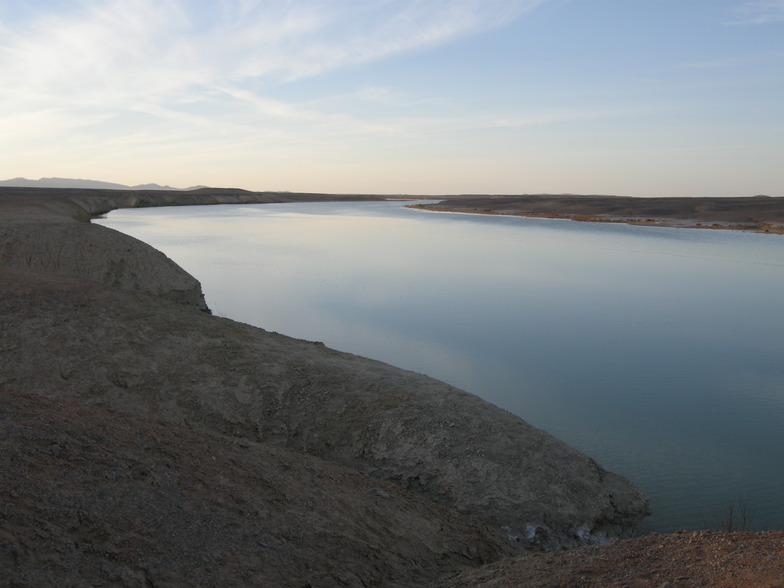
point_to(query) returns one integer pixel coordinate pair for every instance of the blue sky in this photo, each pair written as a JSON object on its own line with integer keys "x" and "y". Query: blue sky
{"x": 638, "y": 97}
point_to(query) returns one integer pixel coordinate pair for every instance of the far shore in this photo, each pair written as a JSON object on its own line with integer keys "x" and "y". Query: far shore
{"x": 759, "y": 214}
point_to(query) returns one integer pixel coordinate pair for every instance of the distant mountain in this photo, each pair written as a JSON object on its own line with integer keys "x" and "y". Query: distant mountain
{"x": 94, "y": 184}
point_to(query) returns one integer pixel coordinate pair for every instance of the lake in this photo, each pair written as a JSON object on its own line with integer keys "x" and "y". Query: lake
{"x": 657, "y": 351}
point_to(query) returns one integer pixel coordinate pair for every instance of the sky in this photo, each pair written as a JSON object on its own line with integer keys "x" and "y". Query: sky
{"x": 634, "y": 97}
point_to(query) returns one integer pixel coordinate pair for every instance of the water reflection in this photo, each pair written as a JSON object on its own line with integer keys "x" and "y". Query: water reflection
{"x": 656, "y": 351}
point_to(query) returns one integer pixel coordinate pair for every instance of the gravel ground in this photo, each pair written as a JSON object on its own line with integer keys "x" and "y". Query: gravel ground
{"x": 710, "y": 559}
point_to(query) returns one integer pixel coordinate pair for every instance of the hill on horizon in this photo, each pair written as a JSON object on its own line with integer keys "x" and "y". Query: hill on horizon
{"x": 80, "y": 183}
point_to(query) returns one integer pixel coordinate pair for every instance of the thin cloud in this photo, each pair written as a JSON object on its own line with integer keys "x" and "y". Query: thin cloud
{"x": 713, "y": 64}
{"x": 124, "y": 75}
{"x": 113, "y": 52}
{"x": 380, "y": 29}
{"x": 760, "y": 12}
{"x": 430, "y": 125}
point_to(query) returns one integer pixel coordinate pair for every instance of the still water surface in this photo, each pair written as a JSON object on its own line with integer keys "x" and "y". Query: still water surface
{"x": 659, "y": 352}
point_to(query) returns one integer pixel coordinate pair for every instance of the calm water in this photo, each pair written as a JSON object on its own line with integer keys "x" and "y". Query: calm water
{"x": 659, "y": 352}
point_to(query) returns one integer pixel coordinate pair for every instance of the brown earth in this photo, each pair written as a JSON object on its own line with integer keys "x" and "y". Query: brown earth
{"x": 706, "y": 559}
{"x": 764, "y": 214}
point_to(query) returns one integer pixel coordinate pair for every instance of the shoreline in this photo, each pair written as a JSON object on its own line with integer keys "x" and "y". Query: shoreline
{"x": 83, "y": 204}
{"x": 648, "y": 222}
{"x": 758, "y": 214}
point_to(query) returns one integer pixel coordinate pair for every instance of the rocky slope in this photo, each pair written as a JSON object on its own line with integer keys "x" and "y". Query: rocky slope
{"x": 70, "y": 338}
{"x": 93, "y": 497}
{"x": 89, "y": 251}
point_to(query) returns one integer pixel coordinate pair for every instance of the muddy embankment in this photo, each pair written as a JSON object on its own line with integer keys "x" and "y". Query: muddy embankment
{"x": 243, "y": 452}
